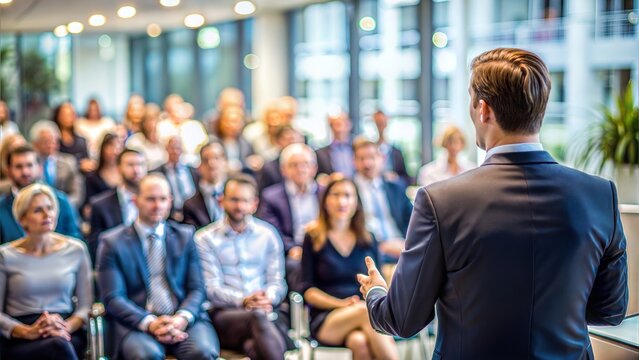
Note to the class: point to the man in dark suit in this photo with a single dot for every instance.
(151, 283)
(23, 170)
(204, 207)
(394, 164)
(116, 207)
(270, 174)
(338, 156)
(290, 205)
(519, 254)
(182, 178)
(386, 206)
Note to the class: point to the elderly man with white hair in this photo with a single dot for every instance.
(293, 203)
(59, 170)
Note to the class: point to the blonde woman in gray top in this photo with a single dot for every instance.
(39, 275)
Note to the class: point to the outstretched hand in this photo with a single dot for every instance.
(374, 278)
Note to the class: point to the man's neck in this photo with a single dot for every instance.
(238, 226)
(510, 139)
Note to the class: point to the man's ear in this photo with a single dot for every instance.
(485, 112)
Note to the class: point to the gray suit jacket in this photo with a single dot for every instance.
(520, 255)
(68, 178)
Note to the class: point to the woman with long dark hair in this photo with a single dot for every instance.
(64, 116)
(334, 250)
(106, 175)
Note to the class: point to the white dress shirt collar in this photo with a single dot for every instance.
(510, 148)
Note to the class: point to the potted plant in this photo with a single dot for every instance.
(613, 142)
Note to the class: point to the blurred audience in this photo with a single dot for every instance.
(93, 126)
(386, 206)
(45, 284)
(204, 207)
(146, 141)
(450, 162)
(394, 164)
(70, 142)
(9, 143)
(134, 114)
(106, 176)
(243, 270)
(176, 123)
(59, 170)
(7, 127)
(157, 311)
(338, 156)
(335, 247)
(292, 204)
(270, 173)
(229, 133)
(23, 170)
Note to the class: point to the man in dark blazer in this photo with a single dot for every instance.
(520, 254)
(23, 170)
(271, 174)
(338, 155)
(151, 284)
(394, 164)
(204, 207)
(116, 207)
(292, 204)
(386, 206)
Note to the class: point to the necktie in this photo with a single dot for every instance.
(214, 211)
(379, 214)
(180, 198)
(159, 296)
(49, 177)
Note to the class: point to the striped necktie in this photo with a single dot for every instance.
(158, 293)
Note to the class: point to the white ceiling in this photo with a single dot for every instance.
(44, 15)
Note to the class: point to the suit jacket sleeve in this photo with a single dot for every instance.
(194, 284)
(113, 288)
(189, 214)
(416, 284)
(267, 213)
(68, 219)
(97, 227)
(608, 299)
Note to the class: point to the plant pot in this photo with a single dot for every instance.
(627, 180)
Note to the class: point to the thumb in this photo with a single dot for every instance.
(370, 265)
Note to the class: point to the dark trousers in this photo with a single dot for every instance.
(294, 274)
(250, 332)
(51, 348)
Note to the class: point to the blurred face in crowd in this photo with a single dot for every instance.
(174, 149)
(40, 217)
(340, 126)
(213, 163)
(341, 201)
(66, 116)
(135, 110)
(273, 118)
(230, 97)
(153, 201)
(455, 144)
(300, 169)
(132, 168)
(368, 161)
(93, 111)
(288, 137)
(231, 122)
(111, 151)
(381, 121)
(288, 108)
(239, 201)
(23, 169)
(149, 126)
(173, 105)
(47, 143)
(4, 112)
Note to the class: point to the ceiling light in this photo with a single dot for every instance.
(169, 3)
(208, 38)
(126, 12)
(60, 31)
(5, 2)
(194, 21)
(75, 27)
(244, 8)
(97, 20)
(153, 30)
(367, 23)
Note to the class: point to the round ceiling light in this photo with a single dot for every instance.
(244, 8)
(154, 30)
(126, 12)
(169, 3)
(60, 31)
(97, 20)
(75, 27)
(194, 21)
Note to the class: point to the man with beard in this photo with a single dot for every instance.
(23, 169)
(116, 207)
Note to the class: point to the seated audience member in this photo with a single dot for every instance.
(134, 114)
(106, 176)
(204, 207)
(7, 127)
(230, 97)
(70, 142)
(290, 205)
(176, 123)
(270, 173)
(450, 162)
(182, 177)
(116, 207)
(239, 152)
(243, 267)
(335, 247)
(394, 164)
(40, 274)
(146, 141)
(338, 156)
(151, 283)
(93, 126)
(386, 206)
(9, 143)
(266, 144)
(59, 170)
(23, 170)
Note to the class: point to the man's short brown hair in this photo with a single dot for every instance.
(515, 83)
(361, 142)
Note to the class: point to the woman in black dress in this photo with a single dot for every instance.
(106, 176)
(334, 250)
(71, 143)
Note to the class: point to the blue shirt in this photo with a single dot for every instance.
(342, 158)
(510, 148)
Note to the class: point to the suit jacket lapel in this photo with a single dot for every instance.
(117, 209)
(137, 253)
(172, 251)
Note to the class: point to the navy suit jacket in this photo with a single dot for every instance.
(399, 165)
(10, 229)
(195, 211)
(123, 276)
(275, 208)
(520, 255)
(324, 164)
(270, 174)
(106, 214)
(399, 205)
